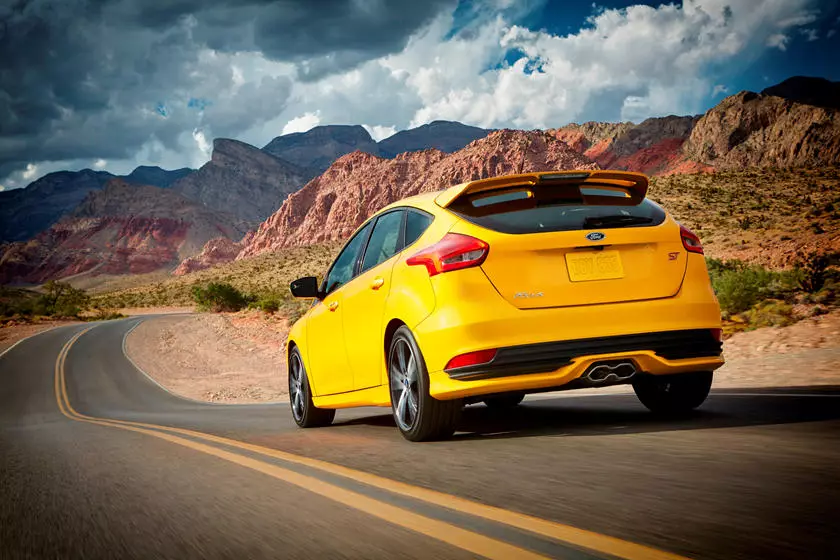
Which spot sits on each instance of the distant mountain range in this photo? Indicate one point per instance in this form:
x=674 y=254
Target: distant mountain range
x=74 y=228
x=240 y=179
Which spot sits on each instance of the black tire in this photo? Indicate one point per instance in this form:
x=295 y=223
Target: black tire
x=673 y=394
x=305 y=414
x=504 y=402
x=430 y=419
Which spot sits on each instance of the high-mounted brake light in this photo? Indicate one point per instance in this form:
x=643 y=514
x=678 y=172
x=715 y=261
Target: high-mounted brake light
x=471 y=359
x=454 y=252
x=690 y=241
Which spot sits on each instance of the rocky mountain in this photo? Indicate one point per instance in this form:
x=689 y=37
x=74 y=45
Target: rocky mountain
x=653 y=146
x=28 y=211
x=795 y=123
x=811 y=91
x=241 y=180
x=758 y=130
x=332 y=205
x=216 y=251
x=121 y=229
x=155 y=176
x=317 y=148
x=446 y=136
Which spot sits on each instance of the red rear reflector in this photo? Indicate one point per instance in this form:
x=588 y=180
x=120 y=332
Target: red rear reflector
x=454 y=252
x=690 y=241
x=471 y=359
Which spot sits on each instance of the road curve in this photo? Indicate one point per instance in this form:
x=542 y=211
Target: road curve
x=97 y=461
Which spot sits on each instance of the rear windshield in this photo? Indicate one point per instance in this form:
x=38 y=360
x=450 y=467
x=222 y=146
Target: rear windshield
x=535 y=209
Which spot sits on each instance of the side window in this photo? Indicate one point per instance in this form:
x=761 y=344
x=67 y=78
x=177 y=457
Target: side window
x=384 y=240
x=342 y=269
x=415 y=224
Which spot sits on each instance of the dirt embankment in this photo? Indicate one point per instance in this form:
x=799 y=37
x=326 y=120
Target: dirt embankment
x=12 y=332
x=230 y=358
x=239 y=358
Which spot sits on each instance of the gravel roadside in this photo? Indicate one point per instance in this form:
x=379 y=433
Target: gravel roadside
x=239 y=358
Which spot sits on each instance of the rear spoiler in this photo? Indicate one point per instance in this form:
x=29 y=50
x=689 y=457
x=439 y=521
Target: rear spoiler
x=634 y=185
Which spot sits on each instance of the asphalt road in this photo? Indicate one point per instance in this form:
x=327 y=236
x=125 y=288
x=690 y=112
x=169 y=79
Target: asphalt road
x=96 y=461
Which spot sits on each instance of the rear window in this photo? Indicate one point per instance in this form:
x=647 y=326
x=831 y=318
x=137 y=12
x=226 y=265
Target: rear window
x=543 y=208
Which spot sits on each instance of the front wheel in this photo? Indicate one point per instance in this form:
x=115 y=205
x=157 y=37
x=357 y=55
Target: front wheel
x=419 y=416
x=673 y=394
x=305 y=413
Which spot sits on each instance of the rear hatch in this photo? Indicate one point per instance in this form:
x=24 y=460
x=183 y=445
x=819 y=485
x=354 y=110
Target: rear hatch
x=576 y=238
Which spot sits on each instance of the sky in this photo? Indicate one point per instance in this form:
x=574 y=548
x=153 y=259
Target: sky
x=113 y=84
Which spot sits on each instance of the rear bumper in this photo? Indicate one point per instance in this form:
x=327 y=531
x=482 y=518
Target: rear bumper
x=673 y=346
x=548 y=348
x=442 y=386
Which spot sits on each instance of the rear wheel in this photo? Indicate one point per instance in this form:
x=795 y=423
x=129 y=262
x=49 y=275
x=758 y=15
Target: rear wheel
x=672 y=394
x=502 y=402
x=419 y=416
x=305 y=413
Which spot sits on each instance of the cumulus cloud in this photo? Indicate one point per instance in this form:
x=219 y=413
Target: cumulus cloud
x=85 y=79
x=778 y=40
x=302 y=123
x=719 y=89
x=810 y=34
x=154 y=82
x=380 y=132
x=30 y=172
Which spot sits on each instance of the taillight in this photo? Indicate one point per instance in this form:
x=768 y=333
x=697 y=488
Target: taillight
x=717 y=334
x=471 y=359
x=690 y=241
x=454 y=252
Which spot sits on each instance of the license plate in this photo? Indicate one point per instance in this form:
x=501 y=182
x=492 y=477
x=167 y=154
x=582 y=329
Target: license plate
x=592 y=265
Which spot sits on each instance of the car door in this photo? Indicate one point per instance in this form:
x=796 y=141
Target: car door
x=365 y=299
x=328 y=364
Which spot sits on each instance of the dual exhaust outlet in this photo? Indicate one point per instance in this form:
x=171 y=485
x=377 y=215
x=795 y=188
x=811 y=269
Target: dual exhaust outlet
x=609 y=372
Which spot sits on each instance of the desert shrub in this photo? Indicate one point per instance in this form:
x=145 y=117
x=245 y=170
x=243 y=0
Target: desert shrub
x=16 y=303
x=60 y=299
x=771 y=313
x=219 y=296
x=106 y=315
x=269 y=303
x=740 y=286
x=816 y=269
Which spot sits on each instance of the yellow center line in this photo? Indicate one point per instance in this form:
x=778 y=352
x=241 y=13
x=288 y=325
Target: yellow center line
x=569 y=535
x=461 y=538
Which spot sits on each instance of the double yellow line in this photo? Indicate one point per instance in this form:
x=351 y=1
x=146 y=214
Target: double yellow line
x=470 y=541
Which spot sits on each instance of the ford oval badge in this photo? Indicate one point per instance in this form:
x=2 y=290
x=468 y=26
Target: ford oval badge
x=595 y=236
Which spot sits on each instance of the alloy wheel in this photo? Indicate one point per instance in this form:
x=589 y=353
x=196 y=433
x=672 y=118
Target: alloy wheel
x=297 y=398
x=405 y=389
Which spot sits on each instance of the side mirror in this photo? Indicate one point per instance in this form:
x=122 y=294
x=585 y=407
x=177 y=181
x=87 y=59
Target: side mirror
x=306 y=287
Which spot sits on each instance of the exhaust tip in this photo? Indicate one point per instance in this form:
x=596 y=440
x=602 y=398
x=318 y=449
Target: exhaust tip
x=613 y=371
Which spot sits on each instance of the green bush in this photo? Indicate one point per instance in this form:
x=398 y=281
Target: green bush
x=739 y=286
x=270 y=303
x=60 y=299
x=219 y=296
x=772 y=313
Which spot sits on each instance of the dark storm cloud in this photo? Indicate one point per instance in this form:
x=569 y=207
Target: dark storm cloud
x=82 y=78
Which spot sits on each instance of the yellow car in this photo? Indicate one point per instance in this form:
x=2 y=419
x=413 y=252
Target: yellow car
x=500 y=287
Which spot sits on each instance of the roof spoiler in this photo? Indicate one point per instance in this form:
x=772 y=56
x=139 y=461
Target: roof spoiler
x=634 y=185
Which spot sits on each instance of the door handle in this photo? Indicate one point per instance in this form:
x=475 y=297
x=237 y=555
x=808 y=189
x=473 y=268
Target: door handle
x=377 y=283
x=333 y=306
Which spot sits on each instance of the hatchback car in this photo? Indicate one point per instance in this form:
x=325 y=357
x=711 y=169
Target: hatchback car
x=500 y=287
